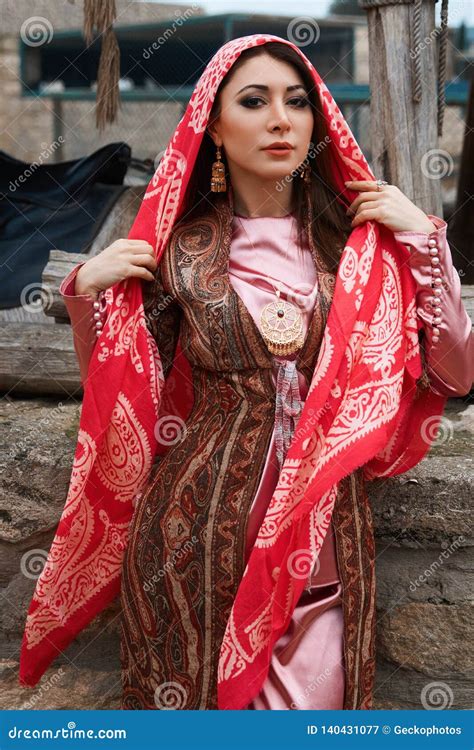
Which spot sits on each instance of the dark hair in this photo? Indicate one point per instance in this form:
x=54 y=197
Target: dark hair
x=330 y=226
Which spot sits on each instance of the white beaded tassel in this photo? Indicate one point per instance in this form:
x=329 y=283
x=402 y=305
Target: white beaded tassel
x=436 y=284
x=99 y=308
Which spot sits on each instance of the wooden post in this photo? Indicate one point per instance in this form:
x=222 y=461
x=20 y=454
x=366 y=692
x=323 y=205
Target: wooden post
x=404 y=132
x=461 y=226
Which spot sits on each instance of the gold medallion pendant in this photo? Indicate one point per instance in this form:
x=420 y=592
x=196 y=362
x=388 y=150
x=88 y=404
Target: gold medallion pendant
x=282 y=326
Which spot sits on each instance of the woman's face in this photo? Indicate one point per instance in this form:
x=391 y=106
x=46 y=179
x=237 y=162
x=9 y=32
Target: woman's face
x=253 y=118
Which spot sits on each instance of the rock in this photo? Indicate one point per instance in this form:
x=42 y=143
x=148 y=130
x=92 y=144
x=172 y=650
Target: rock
x=67 y=686
x=423 y=530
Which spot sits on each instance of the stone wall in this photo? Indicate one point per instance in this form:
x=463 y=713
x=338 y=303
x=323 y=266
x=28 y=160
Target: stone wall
x=423 y=527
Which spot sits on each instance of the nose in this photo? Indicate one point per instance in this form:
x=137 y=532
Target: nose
x=279 y=117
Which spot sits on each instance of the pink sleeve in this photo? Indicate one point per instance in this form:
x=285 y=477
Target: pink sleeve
x=447 y=326
x=162 y=314
x=81 y=312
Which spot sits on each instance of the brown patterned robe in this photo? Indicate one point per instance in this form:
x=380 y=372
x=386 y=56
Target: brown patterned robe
x=185 y=555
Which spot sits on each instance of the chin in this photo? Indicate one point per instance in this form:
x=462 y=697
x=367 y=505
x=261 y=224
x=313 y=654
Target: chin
x=277 y=172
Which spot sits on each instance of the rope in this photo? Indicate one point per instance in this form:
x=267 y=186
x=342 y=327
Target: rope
x=99 y=16
x=417 y=47
x=443 y=40
x=416 y=50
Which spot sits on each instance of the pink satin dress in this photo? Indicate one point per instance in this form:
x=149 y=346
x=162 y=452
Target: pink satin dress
x=307 y=668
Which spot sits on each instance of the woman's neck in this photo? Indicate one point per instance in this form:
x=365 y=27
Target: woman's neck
x=253 y=207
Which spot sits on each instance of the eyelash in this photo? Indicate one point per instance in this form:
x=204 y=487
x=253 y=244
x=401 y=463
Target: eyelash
x=301 y=99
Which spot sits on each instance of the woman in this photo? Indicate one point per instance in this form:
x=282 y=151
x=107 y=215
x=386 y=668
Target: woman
x=244 y=582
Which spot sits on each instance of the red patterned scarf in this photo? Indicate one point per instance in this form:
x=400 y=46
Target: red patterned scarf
x=363 y=409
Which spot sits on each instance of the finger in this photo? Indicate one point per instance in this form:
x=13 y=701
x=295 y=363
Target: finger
x=142 y=273
x=142 y=247
x=369 y=214
x=361 y=184
x=362 y=198
x=144 y=260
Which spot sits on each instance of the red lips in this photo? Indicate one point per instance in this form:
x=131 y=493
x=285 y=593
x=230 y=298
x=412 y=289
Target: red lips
x=279 y=144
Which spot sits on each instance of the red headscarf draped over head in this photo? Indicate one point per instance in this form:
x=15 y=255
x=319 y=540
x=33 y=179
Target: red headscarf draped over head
x=363 y=409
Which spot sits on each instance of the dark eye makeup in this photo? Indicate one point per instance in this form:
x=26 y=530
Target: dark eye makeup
x=302 y=101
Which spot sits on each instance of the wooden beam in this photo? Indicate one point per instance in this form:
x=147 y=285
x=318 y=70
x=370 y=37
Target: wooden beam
x=403 y=131
x=38 y=358
x=57 y=268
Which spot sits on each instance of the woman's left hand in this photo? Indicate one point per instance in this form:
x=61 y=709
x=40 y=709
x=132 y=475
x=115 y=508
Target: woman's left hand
x=389 y=206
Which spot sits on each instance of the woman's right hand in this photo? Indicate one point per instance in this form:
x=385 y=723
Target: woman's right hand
x=120 y=260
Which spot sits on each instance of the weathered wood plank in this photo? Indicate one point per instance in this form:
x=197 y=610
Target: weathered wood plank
x=404 y=132
x=57 y=268
x=38 y=358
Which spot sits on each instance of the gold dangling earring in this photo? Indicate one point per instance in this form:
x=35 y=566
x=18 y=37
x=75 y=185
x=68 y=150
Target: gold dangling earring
x=305 y=174
x=218 y=181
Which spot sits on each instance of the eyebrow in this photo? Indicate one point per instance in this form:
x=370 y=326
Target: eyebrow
x=265 y=88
